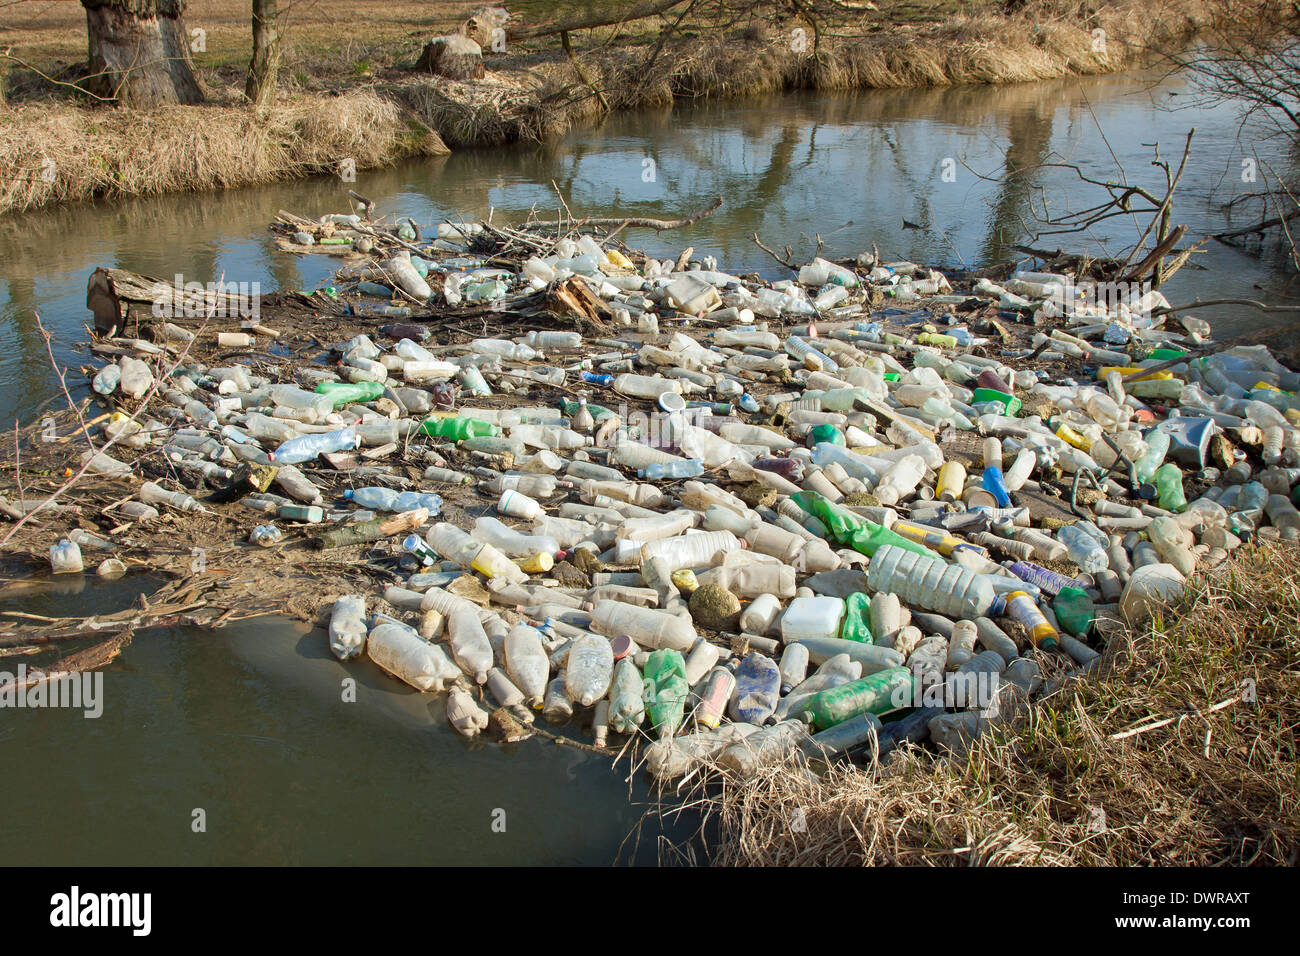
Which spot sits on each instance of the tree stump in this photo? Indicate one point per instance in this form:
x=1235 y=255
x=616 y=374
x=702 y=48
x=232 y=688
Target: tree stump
x=139 y=52
x=455 y=57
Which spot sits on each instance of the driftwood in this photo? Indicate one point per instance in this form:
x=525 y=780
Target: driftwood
x=574 y=297
x=109 y=292
x=633 y=222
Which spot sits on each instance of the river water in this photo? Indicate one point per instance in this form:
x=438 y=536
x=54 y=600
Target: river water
x=248 y=724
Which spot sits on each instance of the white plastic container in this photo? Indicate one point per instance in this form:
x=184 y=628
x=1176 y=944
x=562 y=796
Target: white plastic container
x=470 y=646
x=589 y=668
x=812 y=617
x=527 y=663
x=691 y=550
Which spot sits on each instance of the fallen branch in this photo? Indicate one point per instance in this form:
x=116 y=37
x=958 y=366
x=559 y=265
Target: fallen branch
x=658 y=225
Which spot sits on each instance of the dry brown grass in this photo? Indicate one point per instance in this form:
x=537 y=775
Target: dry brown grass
x=106 y=153
x=1208 y=789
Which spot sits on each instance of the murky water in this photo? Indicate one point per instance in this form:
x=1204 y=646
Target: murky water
x=248 y=724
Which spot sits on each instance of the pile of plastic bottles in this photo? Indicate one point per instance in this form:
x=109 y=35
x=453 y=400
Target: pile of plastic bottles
x=868 y=528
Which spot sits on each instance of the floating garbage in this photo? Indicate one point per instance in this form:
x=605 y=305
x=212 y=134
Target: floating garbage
x=740 y=520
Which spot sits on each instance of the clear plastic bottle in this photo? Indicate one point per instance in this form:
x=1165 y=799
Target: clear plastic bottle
x=719 y=686
x=470 y=647
x=306 y=448
x=400 y=651
x=589 y=669
x=527 y=663
x=65 y=557
x=900 y=480
x=647 y=626
x=674 y=470
x=757 y=691
x=930 y=583
x=512 y=543
x=691 y=550
x=1083 y=549
x=348 y=627
x=153 y=494
x=136 y=377
x=626 y=697
x=464 y=713
x=386 y=499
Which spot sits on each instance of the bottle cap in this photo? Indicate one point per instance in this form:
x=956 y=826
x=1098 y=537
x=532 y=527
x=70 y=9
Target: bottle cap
x=622 y=646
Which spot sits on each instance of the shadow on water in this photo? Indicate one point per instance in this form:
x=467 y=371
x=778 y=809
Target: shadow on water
x=249 y=724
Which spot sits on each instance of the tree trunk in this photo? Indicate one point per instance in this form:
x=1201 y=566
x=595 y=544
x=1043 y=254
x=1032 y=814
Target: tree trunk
x=265 y=65
x=139 y=52
x=456 y=57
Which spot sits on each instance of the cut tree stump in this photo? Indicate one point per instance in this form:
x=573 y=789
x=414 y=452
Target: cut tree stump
x=455 y=56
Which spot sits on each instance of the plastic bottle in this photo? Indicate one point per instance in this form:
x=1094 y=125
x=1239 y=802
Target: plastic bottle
x=1073 y=609
x=648 y=627
x=1083 y=549
x=348 y=627
x=758 y=617
x=1021 y=607
x=136 y=377
x=556 y=706
x=400 y=651
x=857 y=618
x=691 y=550
x=386 y=499
x=153 y=494
x=458 y=429
x=876 y=694
x=527 y=664
x=106 y=380
x=464 y=713
x=306 y=448
x=1169 y=487
x=1157 y=440
x=470 y=647
x=719 y=686
x=930 y=583
x=758 y=688
x=666 y=690
x=793 y=667
x=626 y=697
x=659 y=471
x=65 y=557
x=589 y=669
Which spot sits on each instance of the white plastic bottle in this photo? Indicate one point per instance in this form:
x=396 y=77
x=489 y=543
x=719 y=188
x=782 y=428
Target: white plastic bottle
x=400 y=651
x=648 y=627
x=691 y=550
x=930 y=583
x=470 y=646
x=348 y=627
x=464 y=713
x=527 y=663
x=589 y=668
x=626 y=697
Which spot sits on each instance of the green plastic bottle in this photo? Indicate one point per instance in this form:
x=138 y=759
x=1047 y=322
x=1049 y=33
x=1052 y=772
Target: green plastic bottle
x=825 y=433
x=1169 y=487
x=666 y=690
x=458 y=429
x=856 y=626
x=850 y=529
x=1073 y=610
x=346 y=393
x=877 y=694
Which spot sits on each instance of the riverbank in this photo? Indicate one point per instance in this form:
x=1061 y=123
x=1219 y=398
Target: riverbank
x=357 y=106
x=1179 y=750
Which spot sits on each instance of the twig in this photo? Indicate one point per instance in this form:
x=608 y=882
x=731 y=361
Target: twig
x=1156 y=725
x=144 y=402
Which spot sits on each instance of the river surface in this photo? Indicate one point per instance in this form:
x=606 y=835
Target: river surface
x=247 y=724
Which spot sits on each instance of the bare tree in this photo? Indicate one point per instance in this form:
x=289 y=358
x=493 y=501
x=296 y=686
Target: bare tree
x=138 y=52
x=265 y=64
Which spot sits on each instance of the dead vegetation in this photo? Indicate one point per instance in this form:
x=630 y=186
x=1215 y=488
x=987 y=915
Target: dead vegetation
x=1179 y=751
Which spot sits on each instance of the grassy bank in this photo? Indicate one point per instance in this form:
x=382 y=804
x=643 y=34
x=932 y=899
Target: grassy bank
x=350 y=95
x=1214 y=785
